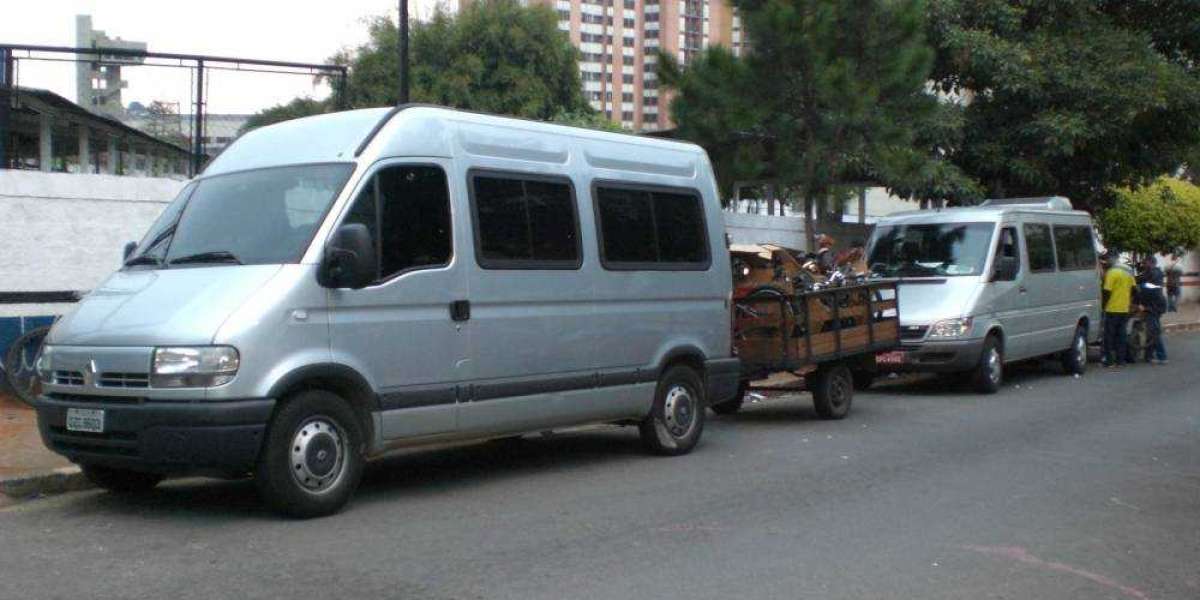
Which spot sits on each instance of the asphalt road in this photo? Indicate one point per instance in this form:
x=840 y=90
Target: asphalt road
x=1054 y=488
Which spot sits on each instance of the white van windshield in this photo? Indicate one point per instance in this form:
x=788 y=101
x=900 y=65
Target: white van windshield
x=264 y=216
x=930 y=250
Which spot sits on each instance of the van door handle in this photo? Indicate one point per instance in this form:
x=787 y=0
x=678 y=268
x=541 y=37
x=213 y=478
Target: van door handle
x=1022 y=289
x=460 y=310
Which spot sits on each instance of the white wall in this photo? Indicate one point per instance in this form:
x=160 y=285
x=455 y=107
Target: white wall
x=747 y=228
x=61 y=231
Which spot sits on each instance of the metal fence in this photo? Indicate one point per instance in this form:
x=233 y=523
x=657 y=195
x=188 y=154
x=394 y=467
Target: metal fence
x=171 y=130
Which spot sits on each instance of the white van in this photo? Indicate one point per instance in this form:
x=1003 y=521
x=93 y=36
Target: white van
x=338 y=286
x=984 y=286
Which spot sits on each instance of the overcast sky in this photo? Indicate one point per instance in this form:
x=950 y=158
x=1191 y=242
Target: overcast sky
x=298 y=30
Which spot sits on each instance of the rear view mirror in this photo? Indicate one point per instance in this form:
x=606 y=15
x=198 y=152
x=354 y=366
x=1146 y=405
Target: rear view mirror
x=1006 y=269
x=129 y=249
x=349 y=260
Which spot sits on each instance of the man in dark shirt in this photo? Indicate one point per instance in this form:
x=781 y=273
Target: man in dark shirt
x=1174 y=284
x=1150 y=296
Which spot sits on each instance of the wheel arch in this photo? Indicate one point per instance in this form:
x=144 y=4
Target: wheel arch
x=336 y=378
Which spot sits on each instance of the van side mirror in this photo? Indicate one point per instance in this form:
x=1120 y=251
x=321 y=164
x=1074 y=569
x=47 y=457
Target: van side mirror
x=1006 y=269
x=130 y=247
x=349 y=260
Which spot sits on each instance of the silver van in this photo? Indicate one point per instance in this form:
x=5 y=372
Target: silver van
x=336 y=287
x=984 y=286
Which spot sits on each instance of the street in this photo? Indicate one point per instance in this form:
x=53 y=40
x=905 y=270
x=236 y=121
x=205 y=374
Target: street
x=1054 y=488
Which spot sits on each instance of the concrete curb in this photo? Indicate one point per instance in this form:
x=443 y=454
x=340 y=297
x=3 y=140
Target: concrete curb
x=1181 y=327
x=57 y=481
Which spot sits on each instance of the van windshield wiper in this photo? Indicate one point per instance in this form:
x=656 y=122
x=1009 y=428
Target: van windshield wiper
x=144 y=259
x=215 y=256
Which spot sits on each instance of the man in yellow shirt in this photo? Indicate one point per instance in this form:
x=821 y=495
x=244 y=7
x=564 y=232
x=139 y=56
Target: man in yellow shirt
x=1117 y=294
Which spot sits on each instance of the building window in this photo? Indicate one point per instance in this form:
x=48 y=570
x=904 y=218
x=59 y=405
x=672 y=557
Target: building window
x=651 y=229
x=627 y=78
x=524 y=222
x=629 y=23
x=627 y=115
x=407 y=211
x=650 y=101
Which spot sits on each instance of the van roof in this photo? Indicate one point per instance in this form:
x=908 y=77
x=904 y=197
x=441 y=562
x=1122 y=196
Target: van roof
x=419 y=130
x=992 y=210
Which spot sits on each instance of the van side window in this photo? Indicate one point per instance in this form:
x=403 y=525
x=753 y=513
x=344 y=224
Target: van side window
x=1076 y=250
x=1008 y=243
x=651 y=229
x=1040 y=247
x=407 y=211
x=525 y=222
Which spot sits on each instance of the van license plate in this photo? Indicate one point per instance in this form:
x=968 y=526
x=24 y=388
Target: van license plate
x=88 y=420
x=895 y=357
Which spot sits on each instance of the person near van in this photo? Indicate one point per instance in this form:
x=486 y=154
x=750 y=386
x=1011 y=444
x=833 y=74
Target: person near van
x=1151 y=298
x=1174 y=284
x=1117 y=293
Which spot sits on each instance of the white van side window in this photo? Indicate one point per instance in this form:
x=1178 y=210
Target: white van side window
x=650 y=228
x=1076 y=250
x=407 y=210
x=1040 y=247
x=524 y=221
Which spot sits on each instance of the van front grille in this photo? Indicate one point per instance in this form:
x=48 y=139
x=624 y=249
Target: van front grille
x=124 y=380
x=68 y=378
x=913 y=332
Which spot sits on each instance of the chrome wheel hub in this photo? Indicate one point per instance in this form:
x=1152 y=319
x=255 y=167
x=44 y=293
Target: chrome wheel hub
x=1080 y=349
x=994 y=366
x=318 y=454
x=679 y=411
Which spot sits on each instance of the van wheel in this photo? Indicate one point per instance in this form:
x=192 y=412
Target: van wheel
x=833 y=391
x=121 y=481
x=1074 y=360
x=313 y=457
x=989 y=373
x=730 y=407
x=676 y=420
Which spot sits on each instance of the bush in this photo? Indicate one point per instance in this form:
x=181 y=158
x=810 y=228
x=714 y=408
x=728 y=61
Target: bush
x=1163 y=217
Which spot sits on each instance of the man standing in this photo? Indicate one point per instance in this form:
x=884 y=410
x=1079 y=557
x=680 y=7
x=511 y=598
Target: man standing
x=1117 y=299
x=1150 y=296
x=1174 y=282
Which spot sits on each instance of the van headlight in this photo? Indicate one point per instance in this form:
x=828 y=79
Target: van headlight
x=43 y=363
x=950 y=328
x=190 y=367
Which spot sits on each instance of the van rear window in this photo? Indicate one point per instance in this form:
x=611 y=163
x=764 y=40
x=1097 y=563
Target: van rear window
x=525 y=222
x=1076 y=250
x=651 y=229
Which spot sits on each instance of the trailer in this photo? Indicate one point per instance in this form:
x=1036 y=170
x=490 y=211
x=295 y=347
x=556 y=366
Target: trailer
x=826 y=334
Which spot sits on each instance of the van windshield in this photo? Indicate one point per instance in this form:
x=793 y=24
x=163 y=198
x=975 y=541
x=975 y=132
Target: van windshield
x=930 y=250
x=264 y=216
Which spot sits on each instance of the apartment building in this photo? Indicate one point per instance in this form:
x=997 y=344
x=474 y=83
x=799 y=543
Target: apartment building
x=619 y=41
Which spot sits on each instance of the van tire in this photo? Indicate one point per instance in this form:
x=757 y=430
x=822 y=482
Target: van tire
x=676 y=419
x=833 y=391
x=312 y=459
x=733 y=405
x=1074 y=359
x=121 y=481
x=988 y=375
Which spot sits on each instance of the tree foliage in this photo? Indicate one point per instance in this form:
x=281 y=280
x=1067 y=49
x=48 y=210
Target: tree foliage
x=493 y=56
x=1069 y=97
x=830 y=92
x=1163 y=217
x=299 y=107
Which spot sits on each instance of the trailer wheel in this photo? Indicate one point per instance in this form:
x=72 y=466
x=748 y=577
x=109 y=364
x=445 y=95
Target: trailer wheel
x=733 y=405
x=833 y=391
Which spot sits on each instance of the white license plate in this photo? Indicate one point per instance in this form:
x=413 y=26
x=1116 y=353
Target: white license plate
x=896 y=357
x=87 y=420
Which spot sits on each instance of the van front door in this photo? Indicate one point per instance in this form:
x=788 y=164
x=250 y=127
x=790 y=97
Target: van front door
x=1006 y=298
x=400 y=331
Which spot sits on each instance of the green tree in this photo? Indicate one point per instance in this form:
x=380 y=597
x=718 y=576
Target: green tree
x=1068 y=97
x=493 y=56
x=831 y=91
x=299 y=107
x=1163 y=217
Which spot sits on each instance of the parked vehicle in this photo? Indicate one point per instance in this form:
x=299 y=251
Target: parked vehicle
x=335 y=287
x=985 y=286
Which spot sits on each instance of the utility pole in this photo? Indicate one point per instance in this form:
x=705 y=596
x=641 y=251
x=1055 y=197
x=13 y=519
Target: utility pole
x=6 y=93
x=403 y=51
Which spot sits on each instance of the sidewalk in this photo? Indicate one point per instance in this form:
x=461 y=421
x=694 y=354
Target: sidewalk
x=27 y=468
x=1187 y=319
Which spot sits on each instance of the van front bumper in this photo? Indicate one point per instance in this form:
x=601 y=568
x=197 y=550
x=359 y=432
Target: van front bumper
x=159 y=436
x=936 y=357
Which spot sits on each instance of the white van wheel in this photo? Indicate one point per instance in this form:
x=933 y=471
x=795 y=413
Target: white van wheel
x=989 y=374
x=312 y=457
x=676 y=419
x=1074 y=360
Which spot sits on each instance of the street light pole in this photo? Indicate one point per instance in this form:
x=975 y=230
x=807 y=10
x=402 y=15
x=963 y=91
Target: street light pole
x=403 y=51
